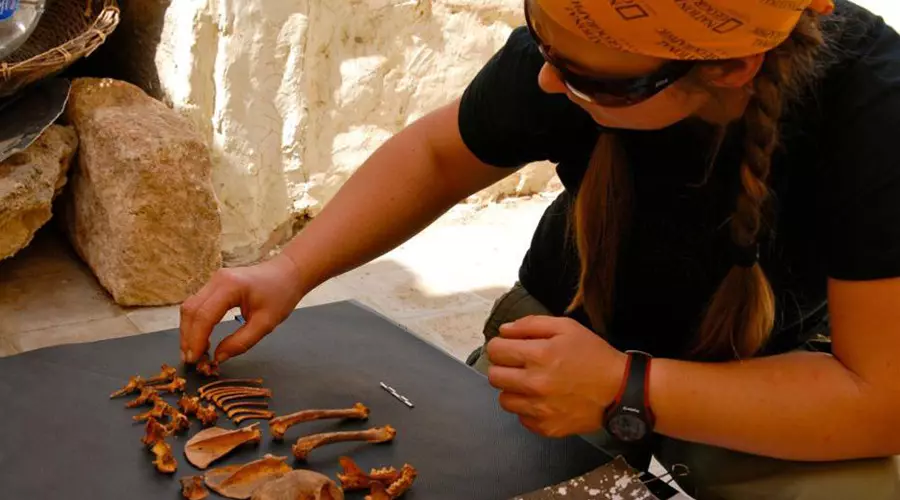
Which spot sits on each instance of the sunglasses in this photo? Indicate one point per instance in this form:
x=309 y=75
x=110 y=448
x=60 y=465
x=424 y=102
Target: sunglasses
x=607 y=92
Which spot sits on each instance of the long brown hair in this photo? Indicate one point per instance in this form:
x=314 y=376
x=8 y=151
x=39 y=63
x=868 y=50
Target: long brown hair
x=741 y=314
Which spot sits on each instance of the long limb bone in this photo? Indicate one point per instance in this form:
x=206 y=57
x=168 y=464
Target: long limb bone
x=135 y=384
x=255 y=415
x=212 y=444
x=220 y=400
x=353 y=477
x=245 y=404
x=148 y=395
x=306 y=444
x=278 y=426
x=192 y=488
x=229 y=381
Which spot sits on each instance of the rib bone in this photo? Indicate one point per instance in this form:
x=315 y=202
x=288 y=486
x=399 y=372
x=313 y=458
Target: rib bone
x=220 y=400
x=255 y=404
x=234 y=412
x=228 y=391
x=278 y=426
x=258 y=415
x=229 y=381
x=209 y=445
x=305 y=445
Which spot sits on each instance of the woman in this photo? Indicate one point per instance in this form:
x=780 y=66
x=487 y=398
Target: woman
x=732 y=196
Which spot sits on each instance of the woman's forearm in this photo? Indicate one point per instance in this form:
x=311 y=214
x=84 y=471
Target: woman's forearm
x=403 y=187
x=798 y=406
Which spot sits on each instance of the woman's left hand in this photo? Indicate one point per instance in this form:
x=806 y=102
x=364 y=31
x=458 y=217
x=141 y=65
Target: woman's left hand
x=555 y=374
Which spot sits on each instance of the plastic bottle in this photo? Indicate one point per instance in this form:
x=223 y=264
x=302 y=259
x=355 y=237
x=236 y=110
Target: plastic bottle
x=18 y=18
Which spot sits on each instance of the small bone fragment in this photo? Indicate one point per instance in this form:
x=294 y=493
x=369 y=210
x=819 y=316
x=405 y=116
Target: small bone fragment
x=207 y=415
x=164 y=462
x=166 y=374
x=192 y=488
x=299 y=485
x=353 y=477
x=160 y=408
x=220 y=400
x=240 y=481
x=234 y=412
x=209 y=445
x=189 y=405
x=179 y=421
x=306 y=444
x=279 y=425
x=135 y=384
x=404 y=483
x=379 y=492
x=148 y=395
x=263 y=415
x=177 y=384
x=245 y=404
x=155 y=432
x=207 y=367
x=229 y=381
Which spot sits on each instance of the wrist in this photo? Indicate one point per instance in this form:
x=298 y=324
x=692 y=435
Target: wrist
x=630 y=417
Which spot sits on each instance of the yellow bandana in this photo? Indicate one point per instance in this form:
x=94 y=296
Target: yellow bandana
x=683 y=29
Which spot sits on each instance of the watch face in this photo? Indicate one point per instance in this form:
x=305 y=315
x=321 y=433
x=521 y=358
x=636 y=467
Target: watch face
x=627 y=427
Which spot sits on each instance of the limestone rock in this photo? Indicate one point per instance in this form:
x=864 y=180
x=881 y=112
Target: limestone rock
x=29 y=182
x=296 y=96
x=142 y=211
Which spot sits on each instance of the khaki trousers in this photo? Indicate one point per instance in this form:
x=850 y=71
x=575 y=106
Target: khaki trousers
x=718 y=473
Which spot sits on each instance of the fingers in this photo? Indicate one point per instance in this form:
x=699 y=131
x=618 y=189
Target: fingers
x=514 y=380
x=536 y=327
x=200 y=314
x=520 y=405
x=244 y=338
x=510 y=353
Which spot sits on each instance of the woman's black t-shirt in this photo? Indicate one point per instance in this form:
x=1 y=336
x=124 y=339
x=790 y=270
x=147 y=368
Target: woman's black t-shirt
x=835 y=182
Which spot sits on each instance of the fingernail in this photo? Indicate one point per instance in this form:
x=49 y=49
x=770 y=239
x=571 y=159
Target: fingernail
x=504 y=326
x=221 y=357
x=182 y=357
x=189 y=356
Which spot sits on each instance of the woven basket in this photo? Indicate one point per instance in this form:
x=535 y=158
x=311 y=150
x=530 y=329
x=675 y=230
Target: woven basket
x=68 y=31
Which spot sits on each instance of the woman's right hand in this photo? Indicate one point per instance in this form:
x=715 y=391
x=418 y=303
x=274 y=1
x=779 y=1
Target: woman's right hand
x=266 y=293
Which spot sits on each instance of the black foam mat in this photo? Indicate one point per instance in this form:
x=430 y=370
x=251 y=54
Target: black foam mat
x=62 y=437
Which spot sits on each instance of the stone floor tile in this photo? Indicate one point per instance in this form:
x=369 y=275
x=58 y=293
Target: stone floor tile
x=73 y=333
x=459 y=331
x=72 y=295
x=7 y=348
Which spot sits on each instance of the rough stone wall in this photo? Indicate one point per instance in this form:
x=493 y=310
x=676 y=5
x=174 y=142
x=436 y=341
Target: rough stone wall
x=293 y=95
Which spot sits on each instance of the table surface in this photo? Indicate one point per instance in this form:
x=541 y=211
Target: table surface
x=63 y=438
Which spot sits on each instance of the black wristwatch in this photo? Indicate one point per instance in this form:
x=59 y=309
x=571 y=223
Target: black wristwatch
x=629 y=417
